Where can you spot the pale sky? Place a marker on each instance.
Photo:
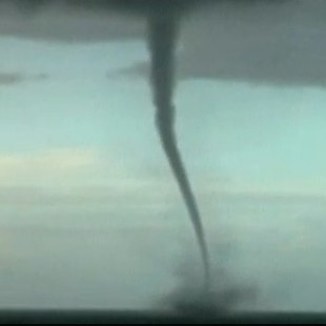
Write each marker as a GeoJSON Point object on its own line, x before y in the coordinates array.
{"type": "Point", "coordinates": [258, 138]}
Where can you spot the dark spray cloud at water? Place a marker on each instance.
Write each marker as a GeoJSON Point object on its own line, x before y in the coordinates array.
{"type": "Point", "coordinates": [229, 291]}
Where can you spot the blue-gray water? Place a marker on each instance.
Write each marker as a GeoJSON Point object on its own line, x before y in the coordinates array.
{"type": "Point", "coordinates": [275, 244]}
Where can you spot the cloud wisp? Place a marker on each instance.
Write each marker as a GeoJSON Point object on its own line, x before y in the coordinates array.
{"type": "Point", "coordinates": [14, 78]}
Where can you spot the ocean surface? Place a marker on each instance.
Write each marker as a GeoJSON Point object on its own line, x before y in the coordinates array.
{"type": "Point", "coordinates": [273, 245]}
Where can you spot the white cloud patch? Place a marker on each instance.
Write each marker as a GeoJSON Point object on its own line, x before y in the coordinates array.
{"type": "Point", "coordinates": [79, 178]}
{"type": "Point", "coordinates": [78, 188]}
{"type": "Point", "coordinates": [31, 168]}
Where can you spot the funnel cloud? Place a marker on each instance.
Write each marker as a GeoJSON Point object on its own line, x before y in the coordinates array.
{"type": "Point", "coordinates": [162, 39]}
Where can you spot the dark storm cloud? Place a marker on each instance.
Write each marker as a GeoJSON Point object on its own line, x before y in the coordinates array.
{"type": "Point", "coordinates": [81, 20]}
{"type": "Point", "coordinates": [9, 79]}
{"type": "Point", "coordinates": [87, 21]}
{"type": "Point", "coordinates": [67, 21]}
{"type": "Point", "coordinates": [279, 42]}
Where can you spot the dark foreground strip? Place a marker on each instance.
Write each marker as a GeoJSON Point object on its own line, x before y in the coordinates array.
{"type": "Point", "coordinates": [138, 317]}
